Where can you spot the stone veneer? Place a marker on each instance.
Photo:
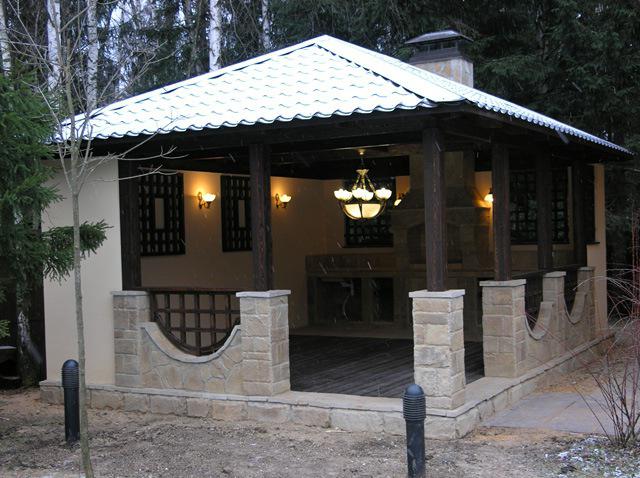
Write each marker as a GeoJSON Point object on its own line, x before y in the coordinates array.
{"type": "Point", "coordinates": [439, 346]}
{"type": "Point", "coordinates": [503, 328]}
{"type": "Point", "coordinates": [485, 397]}
{"type": "Point", "coordinates": [130, 309]}
{"type": "Point", "coordinates": [254, 360]}
{"type": "Point", "coordinates": [164, 366]}
{"type": "Point", "coordinates": [146, 358]}
{"type": "Point", "coordinates": [265, 341]}
{"type": "Point", "coordinates": [511, 347]}
{"type": "Point", "coordinates": [439, 363]}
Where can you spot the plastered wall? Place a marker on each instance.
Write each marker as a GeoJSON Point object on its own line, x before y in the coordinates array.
{"type": "Point", "coordinates": [311, 224]}
{"type": "Point", "coordinates": [101, 274]}
{"type": "Point", "coordinates": [597, 252]}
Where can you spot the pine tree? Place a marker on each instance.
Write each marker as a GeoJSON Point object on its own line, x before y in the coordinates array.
{"type": "Point", "coordinates": [26, 254]}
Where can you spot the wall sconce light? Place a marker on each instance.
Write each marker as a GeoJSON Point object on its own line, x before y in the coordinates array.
{"type": "Point", "coordinates": [489, 196]}
{"type": "Point", "coordinates": [282, 200]}
{"type": "Point", "coordinates": [205, 200]}
{"type": "Point", "coordinates": [398, 200]}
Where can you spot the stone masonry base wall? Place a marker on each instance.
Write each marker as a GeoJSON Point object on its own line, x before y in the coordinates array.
{"type": "Point", "coordinates": [345, 412]}
{"type": "Point", "coordinates": [511, 346]}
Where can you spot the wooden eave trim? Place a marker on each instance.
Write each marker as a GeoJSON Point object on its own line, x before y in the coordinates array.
{"type": "Point", "coordinates": [359, 125]}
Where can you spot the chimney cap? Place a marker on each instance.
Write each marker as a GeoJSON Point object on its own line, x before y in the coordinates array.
{"type": "Point", "coordinates": [442, 35]}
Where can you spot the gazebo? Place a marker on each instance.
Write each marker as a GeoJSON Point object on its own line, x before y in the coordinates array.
{"type": "Point", "coordinates": [237, 273]}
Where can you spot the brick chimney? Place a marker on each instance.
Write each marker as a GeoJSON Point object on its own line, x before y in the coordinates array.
{"type": "Point", "coordinates": [443, 53]}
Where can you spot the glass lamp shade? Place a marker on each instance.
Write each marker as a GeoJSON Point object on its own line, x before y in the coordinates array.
{"type": "Point", "coordinates": [342, 195]}
{"type": "Point", "coordinates": [364, 201]}
{"type": "Point", "coordinates": [360, 210]}
{"type": "Point", "coordinates": [208, 197]}
{"type": "Point", "coordinates": [383, 193]}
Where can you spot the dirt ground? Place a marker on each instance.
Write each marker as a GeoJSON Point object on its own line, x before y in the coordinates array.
{"type": "Point", "coordinates": [145, 445]}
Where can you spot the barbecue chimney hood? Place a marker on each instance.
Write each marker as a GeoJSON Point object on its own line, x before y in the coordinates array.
{"type": "Point", "coordinates": [442, 53]}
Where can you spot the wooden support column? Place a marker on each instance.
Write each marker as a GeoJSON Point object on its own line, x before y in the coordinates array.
{"type": "Point", "coordinates": [579, 236]}
{"type": "Point", "coordinates": [501, 215]}
{"type": "Point", "coordinates": [260, 170]}
{"type": "Point", "coordinates": [129, 224]}
{"type": "Point", "coordinates": [434, 209]}
{"type": "Point", "coordinates": [543, 205]}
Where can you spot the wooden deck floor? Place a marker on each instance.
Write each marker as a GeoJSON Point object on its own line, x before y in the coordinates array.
{"type": "Point", "coordinates": [361, 366]}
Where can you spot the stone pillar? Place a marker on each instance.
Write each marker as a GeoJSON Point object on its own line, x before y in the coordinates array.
{"type": "Point", "coordinates": [585, 282]}
{"type": "Point", "coordinates": [130, 309]}
{"type": "Point", "coordinates": [503, 328]}
{"type": "Point", "coordinates": [586, 278]}
{"type": "Point", "coordinates": [553, 291]}
{"type": "Point", "coordinates": [439, 346]}
{"type": "Point", "coordinates": [264, 322]}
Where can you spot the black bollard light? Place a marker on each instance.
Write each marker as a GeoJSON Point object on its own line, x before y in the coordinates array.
{"type": "Point", "coordinates": [70, 384]}
{"type": "Point", "coordinates": [414, 412]}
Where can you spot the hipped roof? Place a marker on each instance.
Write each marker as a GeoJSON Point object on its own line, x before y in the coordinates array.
{"type": "Point", "coordinates": [319, 78]}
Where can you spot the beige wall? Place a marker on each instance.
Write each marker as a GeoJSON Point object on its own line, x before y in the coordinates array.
{"type": "Point", "coordinates": [597, 253]}
{"type": "Point", "coordinates": [312, 224]}
{"type": "Point", "coordinates": [204, 264]}
{"type": "Point", "coordinates": [101, 274]}
{"type": "Point", "coordinates": [525, 256]}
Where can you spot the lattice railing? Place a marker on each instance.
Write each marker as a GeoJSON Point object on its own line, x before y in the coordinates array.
{"type": "Point", "coordinates": [570, 285]}
{"type": "Point", "coordinates": [532, 295]}
{"type": "Point", "coordinates": [533, 290]}
{"type": "Point", "coordinates": [197, 321]}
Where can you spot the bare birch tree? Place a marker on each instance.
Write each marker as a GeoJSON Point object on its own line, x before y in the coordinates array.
{"type": "Point", "coordinates": [53, 41]}
{"type": "Point", "coordinates": [193, 13]}
{"type": "Point", "coordinates": [4, 41]}
{"type": "Point", "coordinates": [266, 24]}
{"type": "Point", "coordinates": [215, 34]}
{"type": "Point", "coordinates": [70, 65]}
{"type": "Point", "coordinates": [92, 55]}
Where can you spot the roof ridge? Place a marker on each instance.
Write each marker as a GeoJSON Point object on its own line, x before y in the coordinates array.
{"type": "Point", "coordinates": [380, 64]}
{"type": "Point", "coordinates": [462, 91]}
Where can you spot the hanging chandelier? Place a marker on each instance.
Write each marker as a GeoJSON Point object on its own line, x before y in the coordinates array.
{"type": "Point", "coordinates": [363, 201]}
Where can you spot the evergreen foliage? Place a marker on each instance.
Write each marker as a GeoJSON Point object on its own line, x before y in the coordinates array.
{"type": "Point", "coordinates": [26, 252]}
{"type": "Point", "coordinates": [24, 130]}
{"type": "Point", "coordinates": [575, 60]}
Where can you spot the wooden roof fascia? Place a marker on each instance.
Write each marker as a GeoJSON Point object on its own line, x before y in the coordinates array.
{"type": "Point", "coordinates": [361, 130]}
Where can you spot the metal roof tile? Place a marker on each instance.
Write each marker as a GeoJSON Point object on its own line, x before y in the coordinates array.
{"type": "Point", "coordinates": [318, 78]}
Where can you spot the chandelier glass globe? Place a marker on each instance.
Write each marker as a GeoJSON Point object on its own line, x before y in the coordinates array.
{"type": "Point", "coordinates": [363, 201]}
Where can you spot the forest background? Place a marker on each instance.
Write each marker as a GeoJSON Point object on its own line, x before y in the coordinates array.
{"type": "Point", "coordinates": [577, 61]}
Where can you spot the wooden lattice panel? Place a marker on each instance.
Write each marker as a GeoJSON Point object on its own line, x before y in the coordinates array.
{"type": "Point", "coordinates": [559, 209]}
{"type": "Point", "coordinates": [524, 217]}
{"type": "Point", "coordinates": [236, 213]}
{"type": "Point", "coordinates": [524, 224]}
{"type": "Point", "coordinates": [161, 214]}
{"type": "Point", "coordinates": [196, 321]}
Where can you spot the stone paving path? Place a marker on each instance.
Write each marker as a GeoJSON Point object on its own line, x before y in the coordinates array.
{"type": "Point", "coordinates": [559, 411]}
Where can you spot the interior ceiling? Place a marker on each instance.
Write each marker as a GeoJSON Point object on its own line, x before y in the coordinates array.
{"type": "Point", "coordinates": [340, 163]}
{"type": "Point", "coordinates": [328, 152]}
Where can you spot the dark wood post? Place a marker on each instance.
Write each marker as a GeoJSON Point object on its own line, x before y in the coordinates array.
{"type": "Point", "coordinates": [501, 215]}
{"type": "Point", "coordinates": [543, 210]}
{"type": "Point", "coordinates": [260, 170]}
{"type": "Point", "coordinates": [434, 209]}
{"type": "Point", "coordinates": [579, 236]}
{"type": "Point", "coordinates": [129, 225]}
